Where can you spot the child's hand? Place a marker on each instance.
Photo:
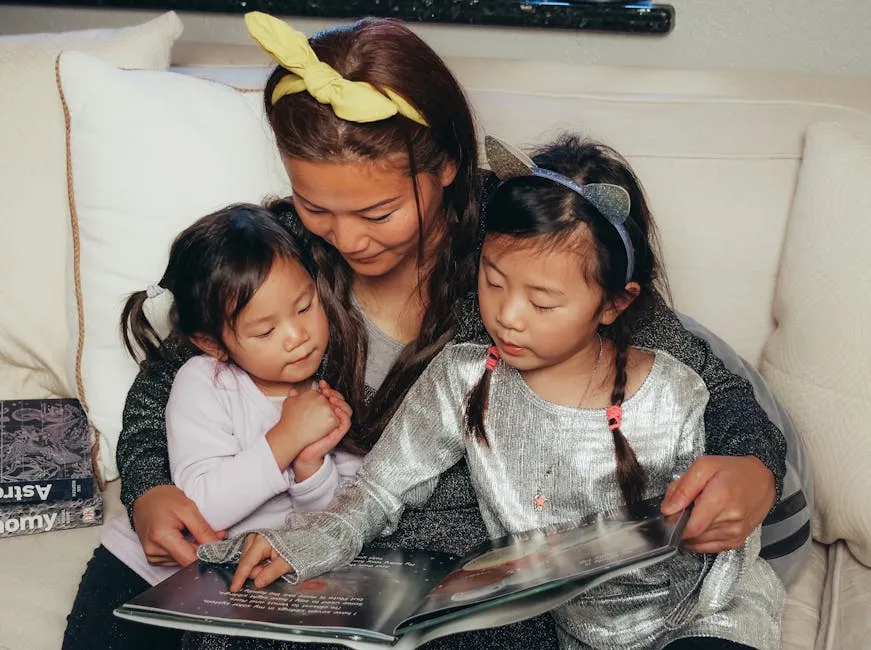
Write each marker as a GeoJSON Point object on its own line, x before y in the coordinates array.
{"type": "Point", "coordinates": [306, 417]}
{"type": "Point", "coordinates": [310, 459]}
{"type": "Point", "coordinates": [260, 562]}
{"type": "Point", "coordinates": [335, 398]}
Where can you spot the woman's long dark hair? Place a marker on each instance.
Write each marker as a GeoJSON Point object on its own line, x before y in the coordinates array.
{"type": "Point", "coordinates": [215, 267]}
{"type": "Point", "coordinates": [533, 207]}
{"type": "Point", "coordinates": [387, 54]}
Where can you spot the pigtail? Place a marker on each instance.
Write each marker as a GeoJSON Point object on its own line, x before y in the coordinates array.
{"type": "Point", "coordinates": [630, 474]}
{"type": "Point", "coordinates": [476, 407]}
{"type": "Point", "coordinates": [138, 334]}
{"type": "Point", "coordinates": [479, 400]}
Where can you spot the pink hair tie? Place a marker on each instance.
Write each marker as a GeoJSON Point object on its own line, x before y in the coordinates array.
{"type": "Point", "coordinates": [614, 413]}
{"type": "Point", "coordinates": [492, 358]}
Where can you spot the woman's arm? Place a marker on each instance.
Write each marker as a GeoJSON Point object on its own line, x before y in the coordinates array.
{"type": "Point", "coordinates": [158, 510]}
{"type": "Point", "coordinates": [424, 438]}
{"type": "Point", "coordinates": [736, 486]}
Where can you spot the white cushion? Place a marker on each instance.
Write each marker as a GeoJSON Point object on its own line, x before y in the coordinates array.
{"type": "Point", "coordinates": [150, 152]}
{"type": "Point", "coordinates": [817, 360]}
{"type": "Point", "coordinates": [33, 186]}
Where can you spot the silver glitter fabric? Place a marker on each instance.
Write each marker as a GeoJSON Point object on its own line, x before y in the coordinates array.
{"type": "Point", "coordinates": [732, 595]}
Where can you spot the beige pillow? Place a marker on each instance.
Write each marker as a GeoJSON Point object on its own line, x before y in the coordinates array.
{"type": "Point", "coordinates": [818, 360]}
{"type": "Point", "coordinates": [150, 153]}
{"type": "Point", "coordinates": [34, 212]}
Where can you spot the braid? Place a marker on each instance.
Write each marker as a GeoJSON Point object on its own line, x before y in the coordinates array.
{"type": "Point", "coordinates": [476, 408]}
{"type": "Point", "coordinates": [479, 400]}
{"type": "Point", "coordinates": [630, 474]}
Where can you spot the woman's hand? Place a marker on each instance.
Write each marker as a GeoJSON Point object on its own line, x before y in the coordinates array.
{"type": "Point", "coordinates": [160, 516]}
{"type": "Point", "coordinates": [259, 562]}
{"type": "Point", "coordinates": [731, 495]}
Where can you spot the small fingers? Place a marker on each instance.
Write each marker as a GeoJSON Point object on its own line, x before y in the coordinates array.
{"type": "Point", "coordinates": [342, 427]}
{"type": "Point", "coordinates": [271, 572]}
{"type": "Point", "coordinates": [256, 552]}
{"type": "Point", "coordinates": [342, 405]}
{"type": "Point", "coordinates": [335, 397]}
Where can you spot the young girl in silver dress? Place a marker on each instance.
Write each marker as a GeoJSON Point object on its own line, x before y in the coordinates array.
{"type": "Point", "coordinates": [557, 416]}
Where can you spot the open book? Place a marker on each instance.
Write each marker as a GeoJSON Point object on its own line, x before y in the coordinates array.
{"type": "Point", "coordinates": [402, 599]}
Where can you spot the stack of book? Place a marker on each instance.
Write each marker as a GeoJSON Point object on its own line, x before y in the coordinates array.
{"type": "Point", "coordinates": [46, 477]}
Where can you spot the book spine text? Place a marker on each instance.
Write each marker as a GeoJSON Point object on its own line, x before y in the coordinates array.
{"type": "Point", "coordinates": [27, 519]}
{"type": "Point", "coordinates": [62, 489]}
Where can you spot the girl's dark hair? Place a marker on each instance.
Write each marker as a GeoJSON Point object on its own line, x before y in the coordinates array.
{"type": "Point", "coordinates": [387, 54]}
{"type": "Point", "coordinates": [215, 267]}
{"type": "Point", "coordinates": [530, 206]}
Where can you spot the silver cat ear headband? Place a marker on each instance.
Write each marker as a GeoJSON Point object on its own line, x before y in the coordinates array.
{"type": "Point", "coordinates": [506, 161]}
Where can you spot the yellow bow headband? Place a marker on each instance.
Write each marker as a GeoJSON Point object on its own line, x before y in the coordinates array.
{"type": "Point", "coordinates": [355, 101]}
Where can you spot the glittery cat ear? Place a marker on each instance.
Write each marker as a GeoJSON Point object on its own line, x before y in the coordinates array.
{"type": "Point", "coordinates": [506, 160]}
{"type": "Point", "coordinates": [611, 200]}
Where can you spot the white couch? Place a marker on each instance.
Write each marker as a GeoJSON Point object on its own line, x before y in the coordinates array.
{"type": "Point", "coordinates": [720, 156]}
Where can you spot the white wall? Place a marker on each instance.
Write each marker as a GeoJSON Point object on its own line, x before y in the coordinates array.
{"type": "Point", "coordinates": [800, 36]}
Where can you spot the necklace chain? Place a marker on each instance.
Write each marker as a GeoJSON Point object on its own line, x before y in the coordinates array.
{"type": "Point", "coordinates": [593, 371]}
{"type": "Point", "coordinates": [539, 500]}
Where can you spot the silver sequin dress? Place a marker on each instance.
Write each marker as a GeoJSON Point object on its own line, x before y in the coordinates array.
{"type": "Point", "coordinates": [567, 455]}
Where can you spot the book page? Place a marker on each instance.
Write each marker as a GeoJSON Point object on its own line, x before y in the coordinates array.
{"type": "Point", "coordinates": [514, 566]}
{"type": "Point", "coordinates": [368, 598]}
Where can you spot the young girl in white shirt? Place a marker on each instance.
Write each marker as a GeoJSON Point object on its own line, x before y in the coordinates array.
{"type": "Point", "coordinates": [251, 436]}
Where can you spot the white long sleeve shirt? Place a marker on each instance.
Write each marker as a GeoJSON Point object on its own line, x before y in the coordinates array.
{"type": "Point", "coordinates": [216, 421]}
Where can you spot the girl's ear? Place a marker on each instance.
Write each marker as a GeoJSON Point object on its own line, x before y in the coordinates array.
{"type": "Point", "coordinates": [210, 346]}
{"type": "Point", "coordinates": [617, 306]}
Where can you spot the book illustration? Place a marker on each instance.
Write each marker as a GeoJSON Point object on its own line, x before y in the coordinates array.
{"type": "Point", "coordinates": [27, 519]}
{"type": "Point", "coordinates": [45, 451]}
{"type": "Point", "coordinates": [408, 597]}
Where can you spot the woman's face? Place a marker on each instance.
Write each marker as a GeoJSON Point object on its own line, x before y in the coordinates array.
{"type": "Point", "coordinates": [368, 212]}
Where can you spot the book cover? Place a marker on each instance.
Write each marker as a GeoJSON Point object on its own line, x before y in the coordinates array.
{"type": "Point", "coordinates": [45, 452]}
{"type": "Point", "coordinates": [406, 598]}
